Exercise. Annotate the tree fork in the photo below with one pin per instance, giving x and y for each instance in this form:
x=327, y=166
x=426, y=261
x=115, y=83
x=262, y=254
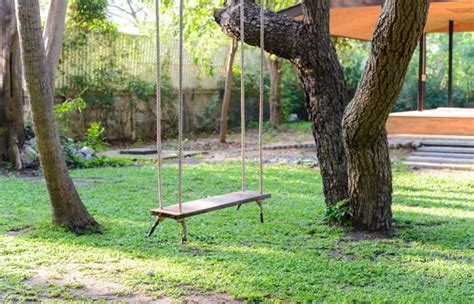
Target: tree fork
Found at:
x=309, y=47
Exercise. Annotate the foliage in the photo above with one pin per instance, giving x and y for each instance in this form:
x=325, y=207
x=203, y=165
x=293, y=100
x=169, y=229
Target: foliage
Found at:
x=76, y=104
x=437, y=73
x=95, y=137
x=339, y=213
x=353, y=55
x=71, y=152
x=74, y=159
x=89, y=15
x=293, y=257
x=105, y=161
x=70, y=105
x=292, y=93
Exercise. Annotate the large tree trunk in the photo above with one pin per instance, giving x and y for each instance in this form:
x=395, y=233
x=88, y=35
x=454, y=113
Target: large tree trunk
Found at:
x=367, y=178
x=370, y=185
x=309, y=47
x=53, y=36
x=276, y=108
x=11, y=102
x=67, y=208
x=227, y=91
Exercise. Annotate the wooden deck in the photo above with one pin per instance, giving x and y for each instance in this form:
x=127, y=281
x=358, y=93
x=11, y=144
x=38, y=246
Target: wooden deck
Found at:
x=209, y=204
x=440, y=121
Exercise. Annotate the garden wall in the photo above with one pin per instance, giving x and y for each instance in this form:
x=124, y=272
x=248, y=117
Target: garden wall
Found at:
x=133, y=121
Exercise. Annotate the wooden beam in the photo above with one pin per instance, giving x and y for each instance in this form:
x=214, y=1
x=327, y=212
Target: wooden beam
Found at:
x=297, y=10
x=450, y=68
x=422, y=74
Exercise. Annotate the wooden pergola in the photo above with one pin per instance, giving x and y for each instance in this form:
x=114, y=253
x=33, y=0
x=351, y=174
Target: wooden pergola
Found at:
x=357, y=19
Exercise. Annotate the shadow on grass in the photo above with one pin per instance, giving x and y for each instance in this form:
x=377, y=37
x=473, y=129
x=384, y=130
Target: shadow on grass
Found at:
x=292, y=256
x=428, y=201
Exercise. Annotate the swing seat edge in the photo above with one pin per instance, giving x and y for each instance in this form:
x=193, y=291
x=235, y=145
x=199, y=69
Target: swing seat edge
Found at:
x=209, y=204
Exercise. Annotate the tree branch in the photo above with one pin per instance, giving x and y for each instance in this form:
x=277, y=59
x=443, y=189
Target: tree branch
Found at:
x=282, y=34
x=396, y=36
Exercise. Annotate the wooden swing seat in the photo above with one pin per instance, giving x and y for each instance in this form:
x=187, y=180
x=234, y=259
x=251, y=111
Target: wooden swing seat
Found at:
x=209, y=204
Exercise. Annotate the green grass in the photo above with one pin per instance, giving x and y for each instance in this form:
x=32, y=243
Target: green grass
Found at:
x=298, y=126
x=292, y=257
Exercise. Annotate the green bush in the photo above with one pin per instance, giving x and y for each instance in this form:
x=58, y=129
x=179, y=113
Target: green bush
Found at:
x=95, y=137
x=104, y=161
x=339, y=213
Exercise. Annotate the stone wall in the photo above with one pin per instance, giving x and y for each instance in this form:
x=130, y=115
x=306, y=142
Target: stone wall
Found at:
x=134, y=121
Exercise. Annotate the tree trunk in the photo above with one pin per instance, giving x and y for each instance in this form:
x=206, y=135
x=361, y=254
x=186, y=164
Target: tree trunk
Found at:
x=397, y=33
x=53, y=36
x=11, y=102
x=67, y=208
x=309, y=47
x=367, y=178
x=276, y=108
x=229, y=83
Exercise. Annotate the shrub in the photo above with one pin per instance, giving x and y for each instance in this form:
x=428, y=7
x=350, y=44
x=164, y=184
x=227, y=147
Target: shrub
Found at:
x=339, y=213
x=95, y=137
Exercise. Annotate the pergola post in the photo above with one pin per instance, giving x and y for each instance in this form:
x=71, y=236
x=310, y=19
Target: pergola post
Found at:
x=450, y=68
x=422, y=74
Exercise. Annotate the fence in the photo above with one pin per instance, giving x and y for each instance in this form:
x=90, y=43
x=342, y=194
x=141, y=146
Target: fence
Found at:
x=135, y=56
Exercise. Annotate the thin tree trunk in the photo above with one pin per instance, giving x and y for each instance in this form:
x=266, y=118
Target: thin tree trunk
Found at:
x=227, y=91
x=370, y=183
x=11, y=103
x=53, y=36
x=276, y=108
x=67, y=207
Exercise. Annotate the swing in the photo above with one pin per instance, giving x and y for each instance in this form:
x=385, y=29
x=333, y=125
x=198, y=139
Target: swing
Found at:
x=183, y=210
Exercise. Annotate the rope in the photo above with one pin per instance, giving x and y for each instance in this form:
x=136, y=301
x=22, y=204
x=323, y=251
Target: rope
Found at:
x=180, y=108
x=242, y=93
x=158, y=105
x=262, y=91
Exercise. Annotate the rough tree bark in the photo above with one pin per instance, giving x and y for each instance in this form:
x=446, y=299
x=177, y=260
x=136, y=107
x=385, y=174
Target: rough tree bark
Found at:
x=67, y=207
x=276, y=110
x=53, y=36
x=229, y=83
x=11, y=101
x=309, y=47
x=364, y=144
x=370, y=183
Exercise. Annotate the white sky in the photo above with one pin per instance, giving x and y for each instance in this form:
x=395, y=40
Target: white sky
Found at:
x=119, y=12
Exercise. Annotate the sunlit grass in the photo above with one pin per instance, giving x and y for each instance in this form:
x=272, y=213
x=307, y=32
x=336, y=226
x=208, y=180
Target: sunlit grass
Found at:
x=293, y=256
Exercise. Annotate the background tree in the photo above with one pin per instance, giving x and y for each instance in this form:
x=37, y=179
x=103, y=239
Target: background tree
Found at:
x=67, y=207
x=53, y=36
x=275, y=71
x=229, y=83
x=12, y=134
x=309, y=47
x=275, y=102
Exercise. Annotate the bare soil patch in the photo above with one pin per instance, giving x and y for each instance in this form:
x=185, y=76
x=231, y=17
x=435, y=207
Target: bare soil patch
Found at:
x=19, y=230
x=369, y=236
x=339, y=254
x=75, y=284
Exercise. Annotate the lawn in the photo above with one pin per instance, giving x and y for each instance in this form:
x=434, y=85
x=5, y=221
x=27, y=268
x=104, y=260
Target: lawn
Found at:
x=292, y=257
